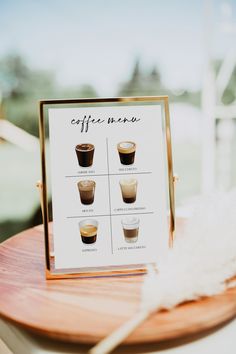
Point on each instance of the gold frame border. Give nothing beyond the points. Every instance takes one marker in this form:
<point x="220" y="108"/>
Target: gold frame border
<point x="43" y="184"/>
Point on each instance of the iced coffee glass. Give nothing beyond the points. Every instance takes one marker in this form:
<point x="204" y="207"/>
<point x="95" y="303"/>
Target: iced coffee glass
<point x="128" y="189"/>
<point x="86" y="190"/>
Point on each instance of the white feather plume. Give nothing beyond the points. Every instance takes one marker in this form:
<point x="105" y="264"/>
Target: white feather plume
<point x="203" y="257"/>
<point x="200" y="264"/>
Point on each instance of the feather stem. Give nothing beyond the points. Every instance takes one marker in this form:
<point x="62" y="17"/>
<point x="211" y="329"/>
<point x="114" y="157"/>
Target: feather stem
<point x="109" y="343"/>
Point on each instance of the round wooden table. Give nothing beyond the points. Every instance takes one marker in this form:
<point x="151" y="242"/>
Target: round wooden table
<point x="87" y="310"/>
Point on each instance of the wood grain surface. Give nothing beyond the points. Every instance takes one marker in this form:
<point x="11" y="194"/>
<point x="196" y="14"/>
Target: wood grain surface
<point x="86" y="310"/>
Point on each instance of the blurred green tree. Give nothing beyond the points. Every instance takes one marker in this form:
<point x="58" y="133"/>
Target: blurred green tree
<point x="21" y="87"/>
<point x="229" y="94"/>
<point x="18" y="81"/>
<point x="142" y="84"/>
<point x="149" y="83"/>
<point x="13" y="76"/>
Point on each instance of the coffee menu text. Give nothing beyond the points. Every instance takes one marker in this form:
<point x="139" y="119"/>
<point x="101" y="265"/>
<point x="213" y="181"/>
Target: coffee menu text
<point x="87" y="121"/>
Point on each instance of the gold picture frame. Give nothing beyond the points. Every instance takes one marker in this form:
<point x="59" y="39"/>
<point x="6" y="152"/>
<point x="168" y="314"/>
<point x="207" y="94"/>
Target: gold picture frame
<point x="51" y="273"/>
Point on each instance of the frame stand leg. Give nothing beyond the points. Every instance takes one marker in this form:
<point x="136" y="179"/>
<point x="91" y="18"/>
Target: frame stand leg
<point x="39" y="185"/>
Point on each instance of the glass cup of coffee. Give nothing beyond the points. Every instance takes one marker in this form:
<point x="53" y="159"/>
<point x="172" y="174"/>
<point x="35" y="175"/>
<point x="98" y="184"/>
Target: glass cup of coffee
<point x="85" y="154"/>
<point x="130" y="227"/>
<point x="126" y="151"/>
<point x="86" y="191"/>
<point x="128" y="189"/>
<point x="88" y="230"/>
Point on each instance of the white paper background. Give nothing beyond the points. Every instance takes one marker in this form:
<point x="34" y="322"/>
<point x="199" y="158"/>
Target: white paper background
<point x="148" y="168"/>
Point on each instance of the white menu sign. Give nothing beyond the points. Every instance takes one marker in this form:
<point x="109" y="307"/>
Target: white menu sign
<point x="108" y="185"/>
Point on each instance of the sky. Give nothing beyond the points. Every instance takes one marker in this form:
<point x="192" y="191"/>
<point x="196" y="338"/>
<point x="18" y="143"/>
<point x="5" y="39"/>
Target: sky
<point x="98" y="41"/>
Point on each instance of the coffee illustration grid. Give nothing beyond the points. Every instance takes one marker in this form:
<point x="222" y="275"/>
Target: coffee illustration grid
<point x="86" y="188"/>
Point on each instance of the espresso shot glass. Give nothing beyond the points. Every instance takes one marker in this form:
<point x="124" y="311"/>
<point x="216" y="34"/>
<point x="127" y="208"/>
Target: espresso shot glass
<point x="130" y="226"/>
<point x="85" y="154"/>
<point x="126" y="150"/>
<point x="88" y="231"/>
